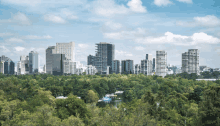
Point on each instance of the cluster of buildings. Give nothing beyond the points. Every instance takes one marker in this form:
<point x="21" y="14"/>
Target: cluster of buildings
<point x="60" y="59"/>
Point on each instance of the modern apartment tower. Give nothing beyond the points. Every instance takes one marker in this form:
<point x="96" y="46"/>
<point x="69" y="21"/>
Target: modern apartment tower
<point x="91" y="60"/>
<point x="105" y="54"/>
<point x="23" y="65"/>
<point x="146" y="67"/>
<point x="148" y="57"/>
<point x="190" y="61"/>
<point x="33" y="62"/>
<point x="127" y="66"/>
<point x="137" y="69"/>
<point x="7" y="66"/>
<point x="116" y="66"/>
<point x="161" y="63"/>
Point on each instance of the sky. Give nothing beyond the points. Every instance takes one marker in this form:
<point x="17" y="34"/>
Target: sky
<point x="135" y="27"/>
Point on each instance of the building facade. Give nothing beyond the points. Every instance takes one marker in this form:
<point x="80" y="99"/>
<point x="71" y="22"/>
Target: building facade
<point x="33" y="62"/>
<point x="161" y="63"/>
<point x="23" y="65"/>
<point x="154" y="65"/>
<point x="146" y="67"/>
<point x="116" y="66"/>
<point x="66" y="48"/>
<point x="91" y="60"/>
<point x="190" y="61"/>
<point x="137" y="69"/>
<point x="7" y="66"/>
<point x="127" y="66"/>
<point x="91" y="70"/>
<point x="105" y="54"/>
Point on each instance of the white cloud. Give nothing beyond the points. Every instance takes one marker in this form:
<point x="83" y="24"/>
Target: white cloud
<point x="139" y="48"/>
<point x="18" y="18"/>
<point x="14" y="40"/>
<point x="84" y="46"/>
<point x="37" y="37"/>
<point x="108" y="8"/>
<point x="162" y="2"/>
<point x="185" y="1"/>
<point x="112" y="25"/>
<point x="122" y="53"/>
<point x="19" y="48"/>
<point x="5" y="34"/>
<point x="136" y="6"/>
<point x="4" y="49"/>
<point x="170" y="38"/>
<point x="207" y="21"/>
<point x="68" y="14"/>
<point x="55" y="19"/>
<point x="22" y="2"/>
<point x="126" y="34"/>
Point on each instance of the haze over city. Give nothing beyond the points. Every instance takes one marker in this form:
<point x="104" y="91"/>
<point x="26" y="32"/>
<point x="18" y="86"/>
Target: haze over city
<point x="135" y="27"/>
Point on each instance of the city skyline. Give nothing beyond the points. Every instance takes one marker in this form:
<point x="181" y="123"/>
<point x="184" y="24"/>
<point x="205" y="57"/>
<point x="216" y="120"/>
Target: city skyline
<point x="135" y="27"/>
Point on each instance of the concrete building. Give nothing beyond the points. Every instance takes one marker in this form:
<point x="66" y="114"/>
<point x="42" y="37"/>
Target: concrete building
<point x="23" y="65"/>
<point x="7" y="66"/>
<point x="190" y="61"/>
<point x="44" y="69"/>
<point x="33" y="62"/>
<point x="161" y="63"/>
<point x="216" y="69"/>
<point x="146" y="67"/>
<point x="90" y="70"/>
<point x="116" y="66"/>
<point x="137" y="69"/>
<point x="148" y="57"/>
<point x="105" y="54"/>
<point x="91" y="60"/>
<point x="154" y="65"/>
<point x="49" y="59"/>
<point x="201" y="68"/>
<point x="127" y="66"/>
<point x="66" y="48"/>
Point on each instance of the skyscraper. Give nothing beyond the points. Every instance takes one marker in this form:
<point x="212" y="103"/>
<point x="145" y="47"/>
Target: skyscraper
<point x="190" y="61"/>
<point x="161" y="63"/>
<point x="127" y="66"/>
<point x="105" y="54"/>
<point x="137" y="69"/>
<point x="154" y="65"/>
<point x="33" y="62"/>
<point x="66" y="48"/>
<point x="23" y="65"/>
<point x="146" y="67"/>
<point x="148" y="57"/>
<point x="6" y="65"/>
<point x="116" y="66"/>
<point x="91" y="60"/>
<point x="55" y="61"/>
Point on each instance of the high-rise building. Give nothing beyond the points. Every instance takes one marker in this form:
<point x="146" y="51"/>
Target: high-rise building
<point x="66" y="48"/>
<point x="161" y="63"/>
<point x="90" y="70"/>
<point x="33" y="62"/>
<point x="148" y="57"/>
<point x="116" y="66"/>
<point x="146" y="67"/>
<point x="7" y="66"/>
<point x="127" y="66"/>
<point x="23" y="65"/>
<point x="105" y="54"/>
<point x="57" y="65"/>
<point x="44" y="69"/>
<point x="190" y="61"/>
<point x="49" y="59"/>
<point x="91" y="60"/>
<point x="137" y="69"/>
<point x="154" y="65"/>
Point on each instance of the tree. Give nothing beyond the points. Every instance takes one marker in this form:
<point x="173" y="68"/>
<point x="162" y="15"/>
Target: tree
<point x="91" y="97"/>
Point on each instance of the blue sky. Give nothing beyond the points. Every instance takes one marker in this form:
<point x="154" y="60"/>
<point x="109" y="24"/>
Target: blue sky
<point x="136" y="27"/>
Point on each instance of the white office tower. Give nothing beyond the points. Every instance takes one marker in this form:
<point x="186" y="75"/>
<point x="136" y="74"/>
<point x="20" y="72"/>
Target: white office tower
<point x="161" y="63"/>
<point x="69" y="67"/>
<point x="137" y="68"/>
<point x="90" y="70"/>
<point x="23" y="65"/>
<point x="66" y="48"/>
<point x="146" y="67"/>
<point x="2" y="67"/>
<point x="190" y="61"/>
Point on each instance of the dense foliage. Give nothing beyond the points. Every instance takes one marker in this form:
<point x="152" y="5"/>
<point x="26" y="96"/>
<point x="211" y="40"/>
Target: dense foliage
<point x="147" y="100"/>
